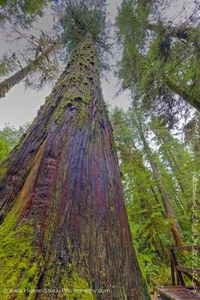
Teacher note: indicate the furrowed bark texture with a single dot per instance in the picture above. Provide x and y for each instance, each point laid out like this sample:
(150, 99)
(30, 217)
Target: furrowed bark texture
(62, 204)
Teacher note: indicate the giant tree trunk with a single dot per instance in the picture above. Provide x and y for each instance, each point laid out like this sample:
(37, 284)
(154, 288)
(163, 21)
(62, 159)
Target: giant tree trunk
(64, 222)
(8, 83)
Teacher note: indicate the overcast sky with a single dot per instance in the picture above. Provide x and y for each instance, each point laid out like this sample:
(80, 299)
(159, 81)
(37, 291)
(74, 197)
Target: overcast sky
(20, 105)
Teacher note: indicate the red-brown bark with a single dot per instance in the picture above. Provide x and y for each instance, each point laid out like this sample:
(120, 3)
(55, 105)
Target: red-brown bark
(65, 178)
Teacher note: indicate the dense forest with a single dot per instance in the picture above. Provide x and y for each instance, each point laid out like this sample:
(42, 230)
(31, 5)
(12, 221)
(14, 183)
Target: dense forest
(99, 202)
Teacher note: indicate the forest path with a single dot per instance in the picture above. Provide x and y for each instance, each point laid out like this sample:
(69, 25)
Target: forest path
(177, 293)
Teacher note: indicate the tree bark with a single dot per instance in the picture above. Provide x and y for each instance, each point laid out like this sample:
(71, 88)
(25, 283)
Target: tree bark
(8, 83)
(64, 222)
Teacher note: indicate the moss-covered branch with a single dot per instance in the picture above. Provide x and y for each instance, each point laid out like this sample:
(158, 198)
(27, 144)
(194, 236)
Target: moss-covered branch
(8, 83)
(184, 93)
(189, 34)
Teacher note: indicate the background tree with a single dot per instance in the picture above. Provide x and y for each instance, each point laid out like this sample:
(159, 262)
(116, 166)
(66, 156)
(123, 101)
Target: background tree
(145, 184)
(44, 64)
(7, 64)
(21, 12)
(180, 160)
(9, 137)
(160, 58)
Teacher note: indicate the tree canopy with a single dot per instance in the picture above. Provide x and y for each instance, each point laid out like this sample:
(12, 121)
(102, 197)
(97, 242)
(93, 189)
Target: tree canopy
(160, 59)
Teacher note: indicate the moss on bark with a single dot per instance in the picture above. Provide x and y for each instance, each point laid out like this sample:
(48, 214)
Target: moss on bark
(18, 259)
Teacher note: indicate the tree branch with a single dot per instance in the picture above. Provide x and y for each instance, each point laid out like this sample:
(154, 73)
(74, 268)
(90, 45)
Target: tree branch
(182, 92)
(189, 34)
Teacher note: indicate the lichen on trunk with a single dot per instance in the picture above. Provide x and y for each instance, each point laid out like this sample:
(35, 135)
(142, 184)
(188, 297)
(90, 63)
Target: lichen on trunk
(63, 184)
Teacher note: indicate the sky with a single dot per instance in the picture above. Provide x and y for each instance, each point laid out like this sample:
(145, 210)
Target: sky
(21, 105)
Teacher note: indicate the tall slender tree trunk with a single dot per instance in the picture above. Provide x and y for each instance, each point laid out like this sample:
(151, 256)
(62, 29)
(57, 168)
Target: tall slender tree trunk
(131, 156)
(175, 227)
(172, 156)
(64, 222)
(165, 139)
(8, 83)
